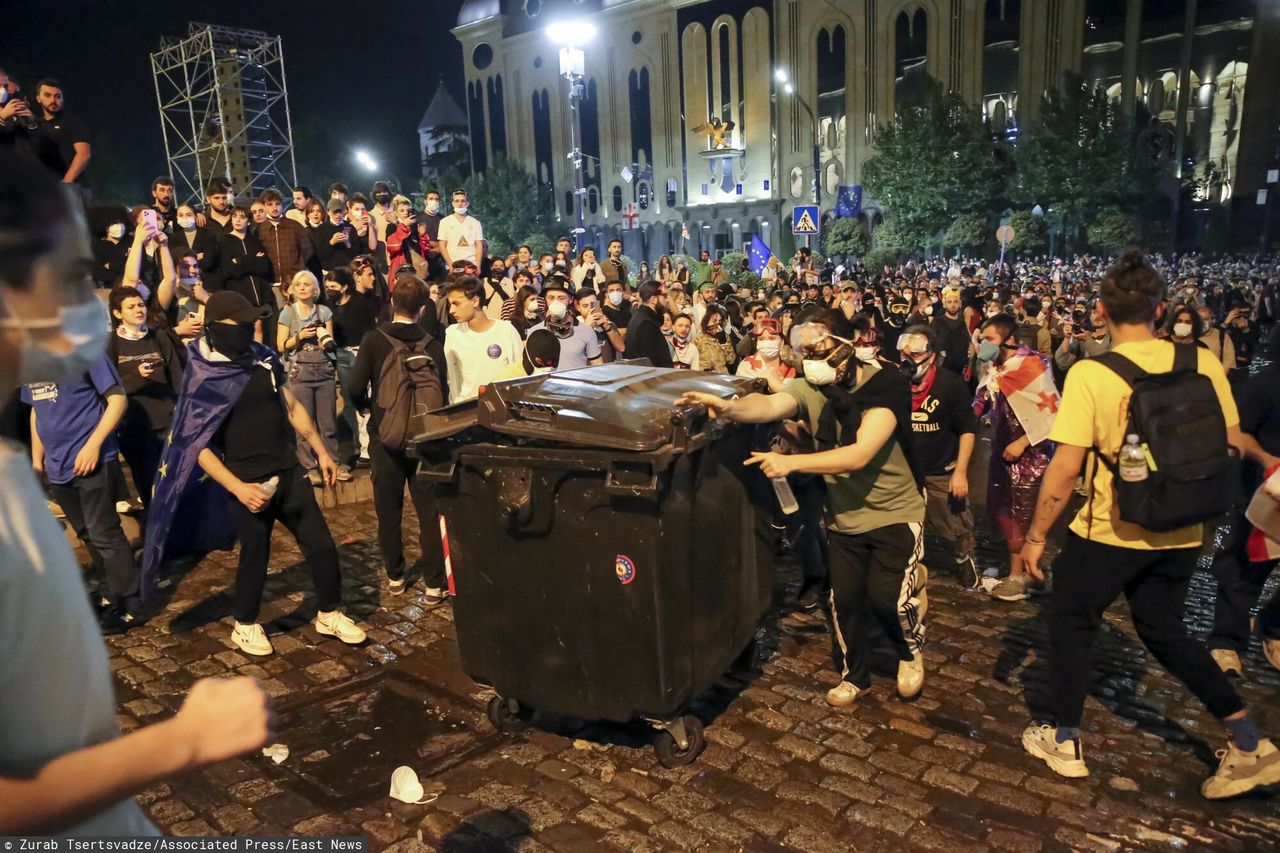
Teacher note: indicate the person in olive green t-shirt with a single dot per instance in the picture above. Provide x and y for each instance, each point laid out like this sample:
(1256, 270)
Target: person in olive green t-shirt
(860, 415)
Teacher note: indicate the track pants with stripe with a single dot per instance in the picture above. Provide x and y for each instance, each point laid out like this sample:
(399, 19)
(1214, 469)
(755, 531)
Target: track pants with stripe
(876, 575)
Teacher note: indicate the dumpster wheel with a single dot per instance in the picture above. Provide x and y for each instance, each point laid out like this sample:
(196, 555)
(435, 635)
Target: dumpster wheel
(667, 743)
(507, 715)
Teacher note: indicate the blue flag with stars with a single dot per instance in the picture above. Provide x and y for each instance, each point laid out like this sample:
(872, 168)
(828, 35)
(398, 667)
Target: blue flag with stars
(190, 513)
(758, 255)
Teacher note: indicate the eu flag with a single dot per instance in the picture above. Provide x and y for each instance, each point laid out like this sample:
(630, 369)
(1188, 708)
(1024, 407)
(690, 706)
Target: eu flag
(849, 200)
(758, 255)
(190, 513)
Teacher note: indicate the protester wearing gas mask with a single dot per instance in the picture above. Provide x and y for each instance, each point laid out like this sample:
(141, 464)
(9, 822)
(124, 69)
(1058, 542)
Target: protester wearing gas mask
(943, 429)
(579, 346)
(64, 767)
(859, 413)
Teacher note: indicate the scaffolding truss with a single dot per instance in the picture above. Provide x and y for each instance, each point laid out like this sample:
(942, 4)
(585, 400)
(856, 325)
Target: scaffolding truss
(224, 110)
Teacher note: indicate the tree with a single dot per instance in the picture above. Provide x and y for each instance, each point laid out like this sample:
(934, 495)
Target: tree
(846, 236)
(1030, 234)
(878, 259)
(539, 244)
(1077, 156)
(968, 231)
(892, 237)
(1112, 230)
(935, 160)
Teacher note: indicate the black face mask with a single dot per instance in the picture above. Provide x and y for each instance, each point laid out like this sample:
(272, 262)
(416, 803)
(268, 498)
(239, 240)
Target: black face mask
(233, 341)
(382, 198)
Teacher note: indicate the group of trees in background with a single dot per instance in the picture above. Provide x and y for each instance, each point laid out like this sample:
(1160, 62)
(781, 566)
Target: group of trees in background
(946, 179)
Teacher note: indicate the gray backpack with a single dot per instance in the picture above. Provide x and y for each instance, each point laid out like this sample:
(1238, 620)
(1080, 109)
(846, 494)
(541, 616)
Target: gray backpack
(407, 386)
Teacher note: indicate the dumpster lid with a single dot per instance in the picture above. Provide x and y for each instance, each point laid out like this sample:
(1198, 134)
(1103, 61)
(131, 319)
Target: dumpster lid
(623, 405)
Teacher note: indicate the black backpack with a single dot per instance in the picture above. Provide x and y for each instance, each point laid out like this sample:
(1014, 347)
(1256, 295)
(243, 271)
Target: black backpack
(408, 385)
(1179, 422)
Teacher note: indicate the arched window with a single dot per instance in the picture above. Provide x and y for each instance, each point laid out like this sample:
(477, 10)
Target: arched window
(641, 123)
(542, 137)
(911, 53)
(589, 106)
(831, 79)
(617, 199)
(475, 112)
(497, 116)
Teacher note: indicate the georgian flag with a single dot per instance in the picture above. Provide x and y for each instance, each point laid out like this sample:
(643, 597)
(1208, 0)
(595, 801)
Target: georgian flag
(1026, 380)
(1263, 513)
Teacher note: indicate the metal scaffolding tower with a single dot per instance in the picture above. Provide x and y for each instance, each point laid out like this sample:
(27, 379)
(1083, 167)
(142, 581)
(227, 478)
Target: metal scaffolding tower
(224, 110)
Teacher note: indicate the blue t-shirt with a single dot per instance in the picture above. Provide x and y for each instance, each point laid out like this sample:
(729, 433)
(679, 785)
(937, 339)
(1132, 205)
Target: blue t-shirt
(578, 348)
(68, 413)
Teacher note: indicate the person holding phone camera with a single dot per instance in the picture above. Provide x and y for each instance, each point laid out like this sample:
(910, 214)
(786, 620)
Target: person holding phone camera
(304, 337)
(1085, 335)
(150, 363)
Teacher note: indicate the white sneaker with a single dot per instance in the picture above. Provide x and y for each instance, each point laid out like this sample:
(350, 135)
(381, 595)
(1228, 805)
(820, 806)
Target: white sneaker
(843, 695)
(335, 623)
(1012, 588)
(434, 595)
(911, 677)
(251, 639)
(1228, 661)
(1240, 771)
(1271, 648)
(1065, 759)
(396, 587)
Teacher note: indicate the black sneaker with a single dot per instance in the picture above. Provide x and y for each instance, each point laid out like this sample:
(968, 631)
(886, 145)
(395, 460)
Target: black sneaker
(810, 597)
(362, 462)
(116, 620)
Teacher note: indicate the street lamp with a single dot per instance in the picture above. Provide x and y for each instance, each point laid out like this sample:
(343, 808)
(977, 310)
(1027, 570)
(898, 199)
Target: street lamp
(781, 75)
(571, 35)
(366, 160)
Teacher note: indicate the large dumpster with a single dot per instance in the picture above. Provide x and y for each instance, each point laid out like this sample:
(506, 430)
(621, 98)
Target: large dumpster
(610, 553)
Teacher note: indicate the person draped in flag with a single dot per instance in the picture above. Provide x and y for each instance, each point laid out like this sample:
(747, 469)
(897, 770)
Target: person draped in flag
(1019, 396)
(234, 424)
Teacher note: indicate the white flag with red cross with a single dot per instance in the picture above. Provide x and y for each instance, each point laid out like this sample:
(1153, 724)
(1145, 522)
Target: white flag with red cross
(1027, 382)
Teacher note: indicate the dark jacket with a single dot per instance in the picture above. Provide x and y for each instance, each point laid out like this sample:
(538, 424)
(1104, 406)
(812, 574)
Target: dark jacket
(645, 338)
(374, 349)
(288, 245)
(340, 256)
(203, 242)
(243, 266)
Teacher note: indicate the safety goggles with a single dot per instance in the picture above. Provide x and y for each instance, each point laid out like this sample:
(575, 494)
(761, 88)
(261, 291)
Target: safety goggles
(813, 341)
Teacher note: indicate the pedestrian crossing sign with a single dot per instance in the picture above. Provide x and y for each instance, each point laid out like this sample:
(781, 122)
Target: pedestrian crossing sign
(804, 219)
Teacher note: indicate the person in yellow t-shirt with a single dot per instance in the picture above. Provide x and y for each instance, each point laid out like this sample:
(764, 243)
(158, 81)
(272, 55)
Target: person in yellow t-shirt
(1104, 556)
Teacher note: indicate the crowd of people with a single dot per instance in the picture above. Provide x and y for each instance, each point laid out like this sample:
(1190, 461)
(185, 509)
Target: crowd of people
(234, 342)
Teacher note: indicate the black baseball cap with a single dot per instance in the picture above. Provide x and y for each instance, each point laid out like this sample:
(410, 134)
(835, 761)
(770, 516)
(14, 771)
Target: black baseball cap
(229, 305)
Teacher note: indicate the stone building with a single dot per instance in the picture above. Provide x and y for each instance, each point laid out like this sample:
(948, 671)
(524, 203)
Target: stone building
(660, 69)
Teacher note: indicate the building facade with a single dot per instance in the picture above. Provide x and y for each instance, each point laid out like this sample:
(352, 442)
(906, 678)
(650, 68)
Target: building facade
(661, 74)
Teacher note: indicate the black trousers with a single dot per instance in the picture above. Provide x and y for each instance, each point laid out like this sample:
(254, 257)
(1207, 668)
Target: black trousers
(90, 505)
(876, 574)
(811, 545)
(1240, 584)
(293, 505)
(142, 449)
(1088, 577)
(391, 472)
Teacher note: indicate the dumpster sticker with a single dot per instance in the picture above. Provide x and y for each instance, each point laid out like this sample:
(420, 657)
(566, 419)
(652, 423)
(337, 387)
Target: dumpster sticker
(625, 569)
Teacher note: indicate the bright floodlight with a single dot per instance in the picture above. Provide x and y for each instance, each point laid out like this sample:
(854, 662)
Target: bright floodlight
(788, 88)
(363, 158)
(571, 33)
(780, 75)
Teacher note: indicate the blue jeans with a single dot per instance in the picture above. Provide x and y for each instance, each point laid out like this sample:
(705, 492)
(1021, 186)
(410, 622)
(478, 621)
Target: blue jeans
(312, 382)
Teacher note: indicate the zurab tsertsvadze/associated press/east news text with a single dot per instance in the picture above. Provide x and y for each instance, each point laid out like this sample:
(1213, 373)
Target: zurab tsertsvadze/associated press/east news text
(164, 844)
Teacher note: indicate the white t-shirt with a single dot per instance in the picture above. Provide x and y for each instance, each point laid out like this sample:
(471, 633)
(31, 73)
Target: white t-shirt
(54, 674)
(462, 237)
(476, 358)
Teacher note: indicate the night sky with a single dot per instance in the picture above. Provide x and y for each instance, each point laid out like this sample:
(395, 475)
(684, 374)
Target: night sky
(360, 74)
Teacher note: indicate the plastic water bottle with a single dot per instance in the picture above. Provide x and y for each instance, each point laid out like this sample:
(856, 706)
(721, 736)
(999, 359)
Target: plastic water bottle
(268, 489)
(1133, 461)
(786, 498)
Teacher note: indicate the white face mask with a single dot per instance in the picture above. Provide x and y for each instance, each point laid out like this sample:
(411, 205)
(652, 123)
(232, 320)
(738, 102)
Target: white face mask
(769, 349)
(615, 298)
(186, 223)
(531, 309)
(460, 209)
(819, 372)
(546, 267)
(433, 206)
(85, 325)
(116, 231)
(866, 355)
(556, 310)
(1182, 330)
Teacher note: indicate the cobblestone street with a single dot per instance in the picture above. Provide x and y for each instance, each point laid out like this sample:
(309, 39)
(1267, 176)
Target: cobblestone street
(782, 770)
